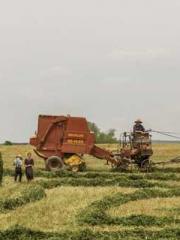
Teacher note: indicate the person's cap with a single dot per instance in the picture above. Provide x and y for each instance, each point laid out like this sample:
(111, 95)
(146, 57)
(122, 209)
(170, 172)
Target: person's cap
(19, 156)
(138, 121)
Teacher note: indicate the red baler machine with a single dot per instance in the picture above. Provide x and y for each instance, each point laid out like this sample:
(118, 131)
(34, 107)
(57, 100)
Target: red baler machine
(64, 140)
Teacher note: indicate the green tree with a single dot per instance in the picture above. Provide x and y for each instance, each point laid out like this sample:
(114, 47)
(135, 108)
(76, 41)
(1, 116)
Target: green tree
(111, 136)
(8, 143)
(102, 137)
(94, 128)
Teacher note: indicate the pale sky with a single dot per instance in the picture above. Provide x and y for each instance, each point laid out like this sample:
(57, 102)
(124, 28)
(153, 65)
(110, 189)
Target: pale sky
(110, 61)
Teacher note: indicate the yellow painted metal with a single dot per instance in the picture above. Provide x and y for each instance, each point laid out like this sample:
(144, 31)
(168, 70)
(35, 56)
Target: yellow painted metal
(75, 160)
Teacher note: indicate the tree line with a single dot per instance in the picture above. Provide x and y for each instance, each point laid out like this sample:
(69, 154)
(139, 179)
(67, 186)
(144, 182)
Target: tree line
(103, 137)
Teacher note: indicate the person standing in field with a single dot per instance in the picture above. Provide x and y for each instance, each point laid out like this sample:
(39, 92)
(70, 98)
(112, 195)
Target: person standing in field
(18, 168)
(29, 163)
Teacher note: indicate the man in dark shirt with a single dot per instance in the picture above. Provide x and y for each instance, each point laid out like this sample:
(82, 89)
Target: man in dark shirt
(29, 163)
(138, 127)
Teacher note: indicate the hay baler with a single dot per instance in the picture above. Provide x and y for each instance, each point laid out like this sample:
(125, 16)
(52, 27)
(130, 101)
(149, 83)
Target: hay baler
(63, 140)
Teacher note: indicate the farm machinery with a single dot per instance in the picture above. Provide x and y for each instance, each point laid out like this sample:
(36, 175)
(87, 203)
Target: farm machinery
(63, 140)
(135, 148)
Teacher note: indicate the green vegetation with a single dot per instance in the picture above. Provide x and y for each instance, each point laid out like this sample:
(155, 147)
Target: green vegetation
(1, 169)
(87, 182)
(102, 137)
(8, 143)
(20, 233)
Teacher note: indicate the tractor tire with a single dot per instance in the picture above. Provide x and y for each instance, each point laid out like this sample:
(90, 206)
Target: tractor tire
(54, 164)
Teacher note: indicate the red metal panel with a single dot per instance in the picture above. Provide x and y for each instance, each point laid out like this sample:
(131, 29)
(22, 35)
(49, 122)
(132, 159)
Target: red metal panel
(77, 124)
(58, 135)
(70, 148)
(43, 124)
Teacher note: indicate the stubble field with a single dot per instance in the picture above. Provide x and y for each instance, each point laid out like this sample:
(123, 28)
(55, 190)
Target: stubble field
(96, 204)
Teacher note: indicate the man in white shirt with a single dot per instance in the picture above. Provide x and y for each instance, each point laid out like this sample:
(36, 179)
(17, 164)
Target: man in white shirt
(18, 168)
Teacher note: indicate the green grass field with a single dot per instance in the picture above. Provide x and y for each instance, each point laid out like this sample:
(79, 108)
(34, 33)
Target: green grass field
(96, 204)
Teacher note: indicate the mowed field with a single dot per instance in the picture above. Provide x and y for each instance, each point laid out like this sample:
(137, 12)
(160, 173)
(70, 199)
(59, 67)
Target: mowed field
(96, 204)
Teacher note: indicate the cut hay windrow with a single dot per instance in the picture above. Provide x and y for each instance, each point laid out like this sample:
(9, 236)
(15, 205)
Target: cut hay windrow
(96, 214)
(103, 182)
(20, 233)
(31, 194)
(110, 175)
(162, 175)
(167, 170)
(106, 179)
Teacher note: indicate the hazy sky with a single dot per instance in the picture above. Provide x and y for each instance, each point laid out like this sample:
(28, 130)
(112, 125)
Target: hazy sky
(110, 61)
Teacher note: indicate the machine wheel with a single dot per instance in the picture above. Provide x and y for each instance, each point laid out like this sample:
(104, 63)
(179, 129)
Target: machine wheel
(75, 168)
(145, 165)
(54, 163)
(123, 164)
